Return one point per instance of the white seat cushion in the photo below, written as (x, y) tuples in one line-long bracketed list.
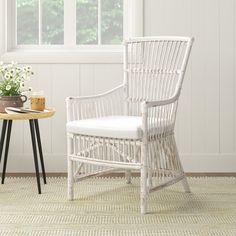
[(124, 127)]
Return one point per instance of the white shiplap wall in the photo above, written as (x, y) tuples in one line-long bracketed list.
[(58, 81), (206, 124)]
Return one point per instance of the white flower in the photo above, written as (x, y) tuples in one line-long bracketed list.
[(7, 75), (12, 71), (18, 69), (13, 78), (8, 87)]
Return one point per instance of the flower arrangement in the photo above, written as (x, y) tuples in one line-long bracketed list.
[(13, 78)]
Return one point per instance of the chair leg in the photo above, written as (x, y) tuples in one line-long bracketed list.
[(70, 180), (143, 180), (186, 185), (70, 169), (143, 194), (184, 181), (149, 183), (128, 176)]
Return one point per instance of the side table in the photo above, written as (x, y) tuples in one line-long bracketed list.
[(35, 136)]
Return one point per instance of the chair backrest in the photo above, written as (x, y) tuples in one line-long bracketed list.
[(154, 68)]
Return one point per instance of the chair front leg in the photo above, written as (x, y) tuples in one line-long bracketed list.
[(143, 179), (149, 180), (144, 156), (70, 168), (128, 176), (186, 185), (184, 180)]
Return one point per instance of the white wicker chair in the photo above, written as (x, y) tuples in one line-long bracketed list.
[(132, 126)]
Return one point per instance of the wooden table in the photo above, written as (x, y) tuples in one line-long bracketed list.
[(35, 135)]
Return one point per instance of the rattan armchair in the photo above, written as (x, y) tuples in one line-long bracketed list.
[(131, 127)]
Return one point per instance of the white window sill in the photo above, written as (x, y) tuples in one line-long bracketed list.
[(59, 55)]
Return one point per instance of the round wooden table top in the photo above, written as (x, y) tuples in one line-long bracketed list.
[(48, 112)]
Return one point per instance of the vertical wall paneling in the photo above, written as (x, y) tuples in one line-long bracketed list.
[(107, 77), (86, 79), (198, 95), (227, 77), (169, 17), (63, 85), (211, 76)]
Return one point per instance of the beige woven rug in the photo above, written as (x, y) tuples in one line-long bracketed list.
[(111, 207)]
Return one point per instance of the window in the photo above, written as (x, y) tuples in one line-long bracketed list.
[(98, 22), (40, 22), (45, 28)]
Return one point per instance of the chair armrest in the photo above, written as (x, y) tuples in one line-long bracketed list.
[(104, 104), (97, 96), (173, 99), (160, 116)]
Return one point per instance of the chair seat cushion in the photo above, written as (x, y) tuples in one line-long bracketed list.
[(124, 127)]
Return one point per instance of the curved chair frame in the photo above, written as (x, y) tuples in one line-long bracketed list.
[(154, 69)]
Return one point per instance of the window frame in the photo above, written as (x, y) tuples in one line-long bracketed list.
[(69, 52)]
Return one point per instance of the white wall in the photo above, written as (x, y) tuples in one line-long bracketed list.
[(207, 121), (58, 81), (206, 125)]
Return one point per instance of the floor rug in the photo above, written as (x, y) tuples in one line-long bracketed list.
[(109, 206)]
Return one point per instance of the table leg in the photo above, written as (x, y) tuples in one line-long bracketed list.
[(32, 130), (6, 150), (40, 149), (4, 126)]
